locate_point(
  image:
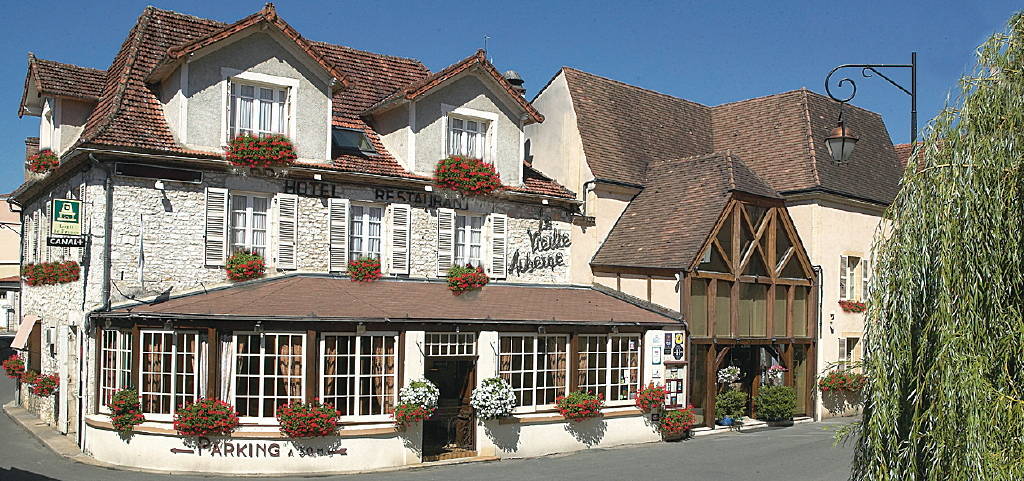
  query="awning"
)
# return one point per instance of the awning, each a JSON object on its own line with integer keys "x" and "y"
{"x": 27, "y": 323}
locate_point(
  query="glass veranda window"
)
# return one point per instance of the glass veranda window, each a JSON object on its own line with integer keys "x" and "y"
{"x": 249, "y": 224}
{"x": 168, "y": 371}
{"x": 115, "y": 364}
{"x": 359, "y": 373}
{"x": 269, "y": 372}
{"x": 535, "y": 366}
{"x": 257, "y": 110}
{"x": 466, "y": 137}
{"x": 365, "y": 235}
{"x": 468, "y": 239}
{"x": 610, "y": 365}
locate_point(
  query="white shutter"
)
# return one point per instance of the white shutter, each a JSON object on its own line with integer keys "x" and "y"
{"x": 47, "y": 217}
{"x": 401, "y": 230}
{"x": 499, "y": 245}
{"x": 287, "y": 227}
{"x": 338, "y": 226}
{"x": 843, "y": 261}
{"x": 445, "y": 240}
{"x": 229, "y": 114}
{"x": 865, "y": 272}
{"x": 216, "y": 232}
{"x": 842, "y": 352}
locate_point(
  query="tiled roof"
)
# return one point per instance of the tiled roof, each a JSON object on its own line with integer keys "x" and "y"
{"x": 537, "y": 183}
{"x": 668, "y": 222}
{"x": 66, "y": 80}
{"x": 309, "y": 297}
{"x": 419, "y": 88}
{"x": 624, "y": 128}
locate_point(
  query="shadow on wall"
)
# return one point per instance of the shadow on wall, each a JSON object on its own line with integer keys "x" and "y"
{"x": 589, "y": 432}
{"x": 842, "y": 403}
{"x": 412, "y": 439}
{"x": 504, "y": 436}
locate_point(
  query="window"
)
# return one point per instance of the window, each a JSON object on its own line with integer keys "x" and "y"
{"x": 249, "y": 224}
{"x": 269, "y": 372}
{"x": 169, "y": 370}
{"x": 364, "y": 231}
{"x": 115, "y": 364}
{"x": 350, "y": 141}
{"x": 443, "y": 344}
{"x": 257, "y": 110}
{"x": 849, "y": 352}
{"x": 467, "y": 137}
{"x": 850, "y": 270}
{"x": 865, "y": 268}
{"x": 535, "y": 366}
{"x": 468, "y": 239}
{"x": 359, "y": 373}
{"x": 610, "y": 365}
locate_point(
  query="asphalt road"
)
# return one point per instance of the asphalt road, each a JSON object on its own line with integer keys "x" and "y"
{"x": 797, "y": 453}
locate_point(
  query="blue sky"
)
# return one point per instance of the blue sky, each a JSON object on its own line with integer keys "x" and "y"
{"x": 708, "y": 51}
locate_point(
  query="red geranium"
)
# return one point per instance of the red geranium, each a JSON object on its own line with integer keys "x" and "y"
{"x": 48, "y": 273}
{"x": 842, "y": 381}
{"x": 853, "y": 306}
{"x": 462, "y": 279}
{"x": 14, "y": 366}
{"x": 243, "y": 266}
{"x": 125, "y": 411}
{"x": 580, "y": 406}
{"x": 407, "y": 414}
{"x": 45, "y": 385}
{"x": 43, "y": 161}
{"x": 466, "y": 175}
{"x": 247, "y": 150}
{"x": 651, "y": 398}
{"x": 674, "y": 423}
{"x": 306, "y": 420}
{"x": 205, "y": 417}
{"x": 364, "y": 269}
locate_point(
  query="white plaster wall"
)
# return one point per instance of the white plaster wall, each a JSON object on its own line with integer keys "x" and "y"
{"x": 73, "y": 114}
{"x": 394, "y": 129}
{"x": 555, "y": 145}
{"x": 518, "y": 440}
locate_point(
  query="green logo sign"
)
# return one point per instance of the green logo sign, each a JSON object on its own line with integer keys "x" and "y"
{"x": 66, "y": 218}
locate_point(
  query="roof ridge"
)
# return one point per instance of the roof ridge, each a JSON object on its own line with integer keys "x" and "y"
{"x": 811, "y": 152}
{"x": 762, "y": 97}
{"x": 635, "y": 86}
{"x": 175, "y": 12}
{"x": 65, "y": 64}
{"x": 375, "y": 54}
{"x": 729, "y": 169}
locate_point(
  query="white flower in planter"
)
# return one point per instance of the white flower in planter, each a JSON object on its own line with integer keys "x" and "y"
{"x": 420, "y": 391}
{"x": 493, "y": 399}
{"x": 728, "y": 375}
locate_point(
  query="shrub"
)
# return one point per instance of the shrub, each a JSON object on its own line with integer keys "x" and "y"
{"x": 580, "y": 406}
{"x": 364, "y": 269}
{"x": 244, "y": 266}
{"x": 493, "y": 399}
{"x": 842, "y": 381}
{"x": 125, "y": 411}
{"x": 731, "y": 403}
{"x": 48, "y": 273}
{"x": 270, "y": 151}
{"x": 674, "y": 423}
{"x": 651, "y": 398}
{"x": 775, "y": 403}
{"x": 466, "y": 175}
{"x": 14, "y": 366}
{"x": 43, "y": 161}
{"x": 307, "y": 420}
{"x": 462, "y": 279}
{"x": 204, "y": 417}
{"x": 45, "y": 385}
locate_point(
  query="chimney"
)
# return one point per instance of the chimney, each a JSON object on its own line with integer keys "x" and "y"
{"x": 517, "y": 82}
{"x": 31, "y": 148}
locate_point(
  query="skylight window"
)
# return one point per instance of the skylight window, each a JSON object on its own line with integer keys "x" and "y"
{"x": 350, "y": 141}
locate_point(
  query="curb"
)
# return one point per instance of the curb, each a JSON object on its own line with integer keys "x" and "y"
{"x": 49, "y": 437}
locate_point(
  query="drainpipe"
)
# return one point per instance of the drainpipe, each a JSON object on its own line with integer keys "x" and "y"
{"x": 108, "y": 191}
{"x": 589, "y": 182}
{"x": 817, "y": 358}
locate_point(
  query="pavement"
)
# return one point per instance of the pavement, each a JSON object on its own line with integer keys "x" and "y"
{"x": 797, "y": 453}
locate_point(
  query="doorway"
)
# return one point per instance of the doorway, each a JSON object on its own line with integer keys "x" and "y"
{"x": 451, "y": 432}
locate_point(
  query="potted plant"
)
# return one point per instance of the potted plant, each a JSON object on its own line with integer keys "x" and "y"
{"x": 244, "y": 266}
{"x": 729, "y": 375}
{"x": 204, "y": 417}
{"x": 466, "y": 278}
{"x": 416, "y": 402}
{"x": 674, "y": 425}
{"x": 247, "y": 150}
{"x": 651, "y": 398}
{"x": 580, "y": 406}
{"x": 364, "y": 269}
{"x": 729, "y": 406}
{"x": 43, "y": 161}
{"x": 776, "y": 404}
{"x": 493, "y": 399}
{"x": 776, "y": 375}
{"x": 306, "y": 420}
{"x": 125, "y": 412}
{"x": 466, "y": 175}
{"x": 14, "y": 366}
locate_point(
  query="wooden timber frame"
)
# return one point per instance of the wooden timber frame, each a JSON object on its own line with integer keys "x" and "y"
{"x": 745, "y": 248}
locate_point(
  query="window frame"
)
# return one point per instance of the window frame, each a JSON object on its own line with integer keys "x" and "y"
{"x": 290, "y": 85}
{"x": 534, "y": 388}
{"x": 365, "y": 237}
{"x": 122, "y": 370}
{"x": 174, "y": 373}
{"x": 249, "y": 230}
{"x": 466, "y": 231}
{"x": 607, "y": 383}
{"x": 321, "y": 378}
{"x": 261, "y": 394}
{"x": 488, "y": 121}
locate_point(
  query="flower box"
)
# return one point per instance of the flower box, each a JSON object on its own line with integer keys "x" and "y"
{"x": 307, "y": 420}
{"x": 580, "y": 406}
{"x": 270, "y": 151}
{"x": 204, "y": 417}
{"x": 14, "y": 366}
{"x": 853, "y": 306}
{"x": 44, "y": 161}
{"x": 674, "y": 425}
{"x": 364, "y": 269}
{"x": 466, "y": 175}
{"x": 462, "y": 279}
{"x": 842, "y": 381}
{"x": 244, "y": 266}
{"x": 125, "y": 411}
{"x": 651, "y": 398}
{"x": 45, "y": 386}
{"x": 50, "y": 273}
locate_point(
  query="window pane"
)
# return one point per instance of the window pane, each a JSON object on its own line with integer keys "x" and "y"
{"x": 699, "y": 307}
{"x": 800, "y": 310}
{"x": 779, "y": 312}
{"x": 723, "y": 308}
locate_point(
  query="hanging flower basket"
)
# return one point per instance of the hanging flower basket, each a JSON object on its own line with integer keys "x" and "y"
{"x": 728, "y": 375}
{"x": 364, "y": 269}
{"x": 651, "y": 398}
{"x": 467, "y": 175}
{"x": 493, "y": 399}
{"x": 468, "y": 278}
{"x": 49, "y": 273}
{"x": 43, "y": 161}
{"x": 244, "y": 266}
{"x": 580, "y": 406}
{"x": 14, "y": 366}
{"x": 842, "y": 381}
{"x": 45, "y": 386}
{"x": 250, "y": 151}
{"x": 204, "y": 417}
{"x": 125, "y": 411}
{"x": 675, "y": 424}
{"x": 416, "y": 402}
{"x": 853, "y": 306}
{"x": 308, "y": 420}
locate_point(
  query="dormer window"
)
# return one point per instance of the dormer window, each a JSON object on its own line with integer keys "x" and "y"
{"x": 350, "y": 141}
{"x": 467, "y": 137}
{"x": 257, "y": 109}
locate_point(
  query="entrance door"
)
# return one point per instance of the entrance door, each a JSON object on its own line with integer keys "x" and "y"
{"x": 451, "y": 431}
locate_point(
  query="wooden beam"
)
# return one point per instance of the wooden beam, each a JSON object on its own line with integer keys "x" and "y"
{"x": 684, "y": 297}
{"x": 136, "y": 358}
{"x": 734, "y": 303}
{"x": 574, "y": 361}
{"x": 714, "y": 275}
{"x": 710, "y": 381}
{"x": 213, "y": 363}
{"x": 311, "y": 365}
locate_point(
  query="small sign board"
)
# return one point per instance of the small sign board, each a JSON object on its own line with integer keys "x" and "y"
{"x": 66, "y": 218}
{"x": 65, "y": 241}
{"x": 677, "y": 352}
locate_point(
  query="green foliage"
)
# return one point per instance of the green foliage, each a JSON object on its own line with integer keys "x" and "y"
{"x": 731, "y": 402}
{"x": 945, "y": 392}
{"x": 775, "y": 403}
